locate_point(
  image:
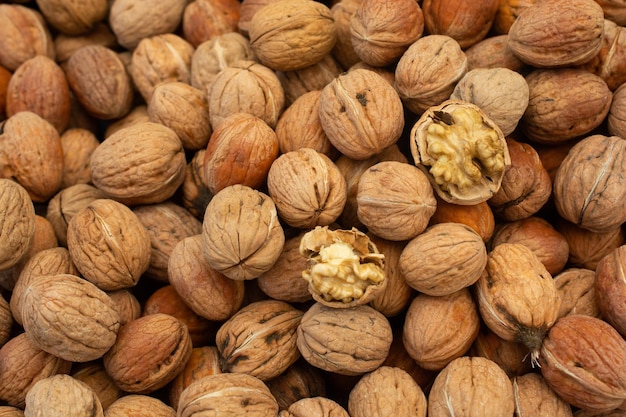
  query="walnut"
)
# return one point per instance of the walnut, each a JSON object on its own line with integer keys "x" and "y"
{"x": 479, "y": 217}
{"x": 8, "y": 411}
{"x": 586, "y": 186}
{"x": 300, "y": 380}
{"x": 314, "y": 407}
{"x": 509, "y": 355}
{"x": 227, "y": 394}
{"x": 439, "y": 329}
{"x": 212, "y": 56}
{"x": 343, "y": 51}
{"x": 66, "y": 45}
{"x": 515, "y": 311}
{"x": 564, "y": 103}
{"x": 31, "y": 154}
{"x": 288, "y": 35}
{"x": 361, "y": 113}
{"x": 160, "y": 58}
{"x": 24, "y": 35}
{"x": 18, "y": 223}
{"x": 398, "y": 357}
{"x": 204, "y": 361}
{"x": 137, "y": 405}
{"x": 558, "y": 33}
{"x": 461, "y": 150}
{"x": 465, "y": 22}
{"x": 138, "y": 114}
{"x": 577, "y": 292}
{"x": 108, "y": 244}
{"x": 538, "y": 235}
{"x": 57, "y": 310}
{"x": 126, "y": 305}
{"x": 428, "y": 71}
{"x": 493, "y": 52}
{"x": 508, "y": 11}
{"x": 345, "y": 267}
{"x": 443, "y": 259}
{"x": 184, "y": 109}
{"x": 471, "y": 386}
{"x": 583, "y": 359}
{"x": 526, "y": 186}
{"x": 62, "y": 395}
{"x": 207, "y": 292}
{"x": 381, "y": 31}
{"x": 132, "y": 23}
{"x": 74, "y": 17}
{"x": 312, "y": 78}
{"x": 533, "y": 395}
{"x": 246, "y": 87}
{"x": 6, "y": 321}
{"x": 307, "y": 188}
{"x": 326, "y": 338}
{"x": 613, "y": 10}
{"x": 99, "y": 81}
{"x": 39, "y": 85}
{"x": 616, "y": 118}
{"x": 609, "y": 63}
{"x": 395, "y": 200}
{"x": 500, "y": 92}
{"x": 94, "y": 375}
{"x": 22, "y": 364}
{"x": 204, "y": 20}
{"x": 140, "y": 164}
{"x": 195, "y": 191}
{"x": 260, "y": 339}
{"x": 241, "y": 237}
{"x": 609, "y": 287}
{"x": 78, "y": 144}
{"x": 240, "y": 151}
{"x": 148, "y": 353}
{"x": 390, "y": 392}
{"x": 5, "y": 77}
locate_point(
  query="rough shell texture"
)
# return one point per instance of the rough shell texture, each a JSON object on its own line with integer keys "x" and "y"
{"x": 533, "y": 395}
{"x": 73, "y": 17}
{"x": 242, "y": 236}
{"x": 587, "y": 189}
{"x": 616, "y": 119}
{"x": 583, "y": 359}
{"x": 510, "y": 356}
{"x": 260, "y": 339}
{"x": 361, "y": 113}
{"x": 315, "y": 407}
{"x": 326, "y": 338}
{"x": 93, "y": 374}
{"x": 493, "y": 52}
{"x": 17, "y": 223}
{"x": 471, "y": 386}
{"x": 227, "y": 394}
{"x": 395, "y": 200}
{"x": 108, "y": 244}
{"x": 69, "y": 317}
{"x": 62, "y": 395}
{"x": 610, "y": 288}
{"x": 299, "y": 381}
{"x": 443, "y": 259}
{"x": 139, "y": 164}
{"x": 577, "y": 292}
{"x": 609, "y": 63}
{"x": 558, "y": 33}
{"x": 289, "y": 35}
{"x": 78, "y": 144}
{"x": 136, "y": 405}
{"x": 204, "y": 20}
{"x": 204, "y": 361}
{"x": 148, "y": 353}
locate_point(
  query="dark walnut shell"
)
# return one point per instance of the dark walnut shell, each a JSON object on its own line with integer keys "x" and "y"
{"x": 300, "y": 380}
{"x": 588, "y": 189}
{"x": 260, "y": 339}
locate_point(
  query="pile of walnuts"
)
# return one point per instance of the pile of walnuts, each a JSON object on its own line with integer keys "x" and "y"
{"x": 307, "y": 208}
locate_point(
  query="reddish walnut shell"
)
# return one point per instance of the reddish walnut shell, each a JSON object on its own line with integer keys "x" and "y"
{"x": 479, "y": 217}
{"x": 583, "y": 359}
{"x": 461, "y": 150}
{"x": 204, "y": 361}
{"x": 510, "y": 356}
{"x": 610, "y": 288}
{"x": 204, "y": 20}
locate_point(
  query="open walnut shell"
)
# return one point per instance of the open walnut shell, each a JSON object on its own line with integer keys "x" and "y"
{"x": 461, "y": 150}
{"x": 345, "y": 267}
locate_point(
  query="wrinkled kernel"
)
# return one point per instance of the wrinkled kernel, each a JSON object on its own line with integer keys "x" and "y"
{"x": 465, "y": 150}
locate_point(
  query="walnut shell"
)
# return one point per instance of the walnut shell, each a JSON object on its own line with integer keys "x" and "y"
{"x": 8, "y": 411}
{"x": 18, "y": 223}
{"x": 148, "y": 353}
{"x": 533, "y": 395}
{"x": 479, "y": 217}
{"x": 204, "y": 20}
{"x": 94, "y": 375}
{"x": 558, "y": 33}
{"x": 69, "y": 317}
{"x": 443, "y": 259}
{"x": 586, "y": 186}
{"x": 315, "y": 407}
{"x": 288, "y": 35}
{"x": 616, "y": 119}
{"x": 361, "y": 113}
{"x": 326, "y": 338}
{"x": 195, "y": 192}
{"x": 260, "y": 339}
{"x": 108, "y": 244}
{"x": 471, "y": 386}
{"x": 395, "y": 200}
{"x": 204, "y": 361}
{"x": 493, "y": 52}
{"x": 73, "y": 17}
{"x": 242, "y": 237}
{"x": 65, "y": 45}
{"x": 510, "y": 356}
{"x": 139, "y": 164}
{"x": 62, "y": 395}
{"x": 577, "y": 292}
{"x": 343, "y": 51}
{"x": 610, "y": 288}
{"x": 227, "y": 394}
{"x": 390, "y": 391}
{"x": 583, "y": 359}
{"x": 301, "y": 380}
{"x": 610, "y": 62}
{"x": 467, "y": 174}
{"x": 78, "y": 145}
{"x": 312, "y": 78}
{"x": 137, "y": 405}
{"x": 587, "y": 248}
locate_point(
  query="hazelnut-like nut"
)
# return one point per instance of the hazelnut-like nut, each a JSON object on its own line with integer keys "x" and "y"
{"x": 62, "y": 395}
{"x": 361, "y": 113}
{"x": 345, "y": 267}
{"x": 18, "y": 223}
{"x": 288, "y": 35}
{"x": 204, "y": 20}
{"x": 461, "y": 150}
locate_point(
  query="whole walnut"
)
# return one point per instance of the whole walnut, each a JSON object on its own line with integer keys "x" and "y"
{"x": 610, "y": 62}
{"x": 73, "y": 17}
{"x": 126, "y": 304}
{"x": 65, "y": 45}
{"x": 315, "y": 407}
{"x": 137, "y": 405}
{"x": 609, "y": 286}
{"x": 312, "y": 78}
{"x": 18, "y": 223}
{"x": 577, "y": 292}
{"x": 343, "y": 51}
{"x": 533, "y": 395}
{"x": 511, "y": 356}
{"x": 586, "y": 189}
{"x": 204, "y": 20}
{"x": 479, "y": 217}
{"x": 62, "y": 395}
{"x": 493, "y": 52}
{"x": 78, "y": 144}
{"x": 508, "y": 11}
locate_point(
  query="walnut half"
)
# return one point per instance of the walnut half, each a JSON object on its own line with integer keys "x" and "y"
{"x": 345, "y": 267}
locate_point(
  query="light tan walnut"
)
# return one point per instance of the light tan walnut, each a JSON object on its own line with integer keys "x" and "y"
{"x": 66, "y": 45}
{"x": 78, "y": 144}
{"x": 137, "y": 114}
{"x": 616, "y": 119}
{"x": 343, "y": 51}
{"x": 18, "y": 223}
{"x": 577, "y": 292}
{"x": 462, "y": 151}
{"x": 533, "y": 395}
{"x": 126, "y": 304}
{"x": 93, "y": 374}
{"x": 8, "y": 411}
{"x": 137, "y": 405}
{"x": 312, "y": 78}
{"x": 62, "y": 395}
{"x": 345, "y": 268}
{"x": 73, "y": 17}
{"x": 315, "y": 407}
